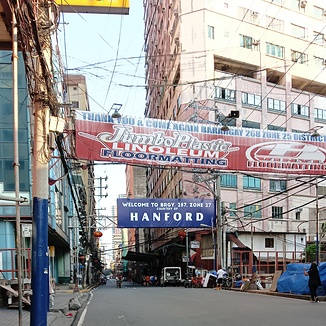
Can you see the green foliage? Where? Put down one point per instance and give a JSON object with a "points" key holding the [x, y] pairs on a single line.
{"points": [[311, 252]]}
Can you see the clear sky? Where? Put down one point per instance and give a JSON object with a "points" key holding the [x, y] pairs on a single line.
{"points": [[108, 51]]}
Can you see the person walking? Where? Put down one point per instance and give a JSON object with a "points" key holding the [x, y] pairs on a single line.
{"points": [[220, 274], [314, 281]]}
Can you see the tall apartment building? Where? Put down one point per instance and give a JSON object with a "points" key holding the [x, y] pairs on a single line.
{"points": [[265, 60], [82, 173]]}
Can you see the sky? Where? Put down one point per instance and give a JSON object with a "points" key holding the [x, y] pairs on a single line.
{"points": [[108, 51]]}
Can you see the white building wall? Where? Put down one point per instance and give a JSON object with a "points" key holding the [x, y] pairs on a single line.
{"points": [[254, 71]]}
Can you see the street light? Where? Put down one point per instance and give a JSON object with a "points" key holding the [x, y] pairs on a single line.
{"points": [[116, 108]]}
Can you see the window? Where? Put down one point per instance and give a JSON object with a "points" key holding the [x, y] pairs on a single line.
{"points": [[299, 57], [228, 180], [250, 124], [298, 214], [251, 99], [74, 104], [275, 105], [319, 13], [298, 31], [233, 208], [277, 185], [294, 4], [269, 243], [211, 32], [298, 109], [278, 128], [246, 41], [252, 211], [273, 23], [319, 38], [277, 212], [320, 114], [319, 61], [248, 15], [251, 183], [225, 94], [275, 50]]}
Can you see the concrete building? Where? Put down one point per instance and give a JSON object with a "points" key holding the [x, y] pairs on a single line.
{"points": [[136, 188], [266, 61]]}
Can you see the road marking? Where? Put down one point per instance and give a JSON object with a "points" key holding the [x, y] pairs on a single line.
{"points": [[82, 317]]}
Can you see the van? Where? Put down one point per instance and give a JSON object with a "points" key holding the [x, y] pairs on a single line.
{"points": [[171, 276]]}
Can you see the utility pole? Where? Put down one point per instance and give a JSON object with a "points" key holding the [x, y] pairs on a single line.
{"points": [[219, 223], [40, 189], [317, 224], [16, 163], [40, 259]]}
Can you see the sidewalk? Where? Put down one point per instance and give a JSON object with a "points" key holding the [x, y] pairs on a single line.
{"points": [[59, 314], [281, 294]]}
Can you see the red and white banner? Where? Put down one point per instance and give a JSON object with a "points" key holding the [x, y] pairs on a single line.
{"points": [[191, 145]]}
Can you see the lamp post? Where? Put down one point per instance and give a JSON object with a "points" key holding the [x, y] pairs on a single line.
{"points": [[317, 225]]}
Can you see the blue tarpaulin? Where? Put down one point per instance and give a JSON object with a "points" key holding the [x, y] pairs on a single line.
{"points": [[294, 281]]}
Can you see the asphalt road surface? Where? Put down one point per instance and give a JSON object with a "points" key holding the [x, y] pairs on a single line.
{"points": [[179, 306]]}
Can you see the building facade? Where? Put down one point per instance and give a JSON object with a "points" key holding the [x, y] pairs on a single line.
{"points": [[266, 62]]}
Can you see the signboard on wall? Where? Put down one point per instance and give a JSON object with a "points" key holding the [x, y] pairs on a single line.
{"points": [[191, 145], [120, 7], [165, 213]]}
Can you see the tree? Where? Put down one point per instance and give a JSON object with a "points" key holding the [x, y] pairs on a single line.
{"points": [[311, 252]]}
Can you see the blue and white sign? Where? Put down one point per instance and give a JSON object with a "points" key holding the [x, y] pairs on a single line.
{"points": [[165, 213]]}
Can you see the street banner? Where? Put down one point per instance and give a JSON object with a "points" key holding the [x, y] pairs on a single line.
{"points": [[166, 213], [120, 7], [155, 142]]}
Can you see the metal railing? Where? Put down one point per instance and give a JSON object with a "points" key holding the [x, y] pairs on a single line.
{"points": [[8, 263]]}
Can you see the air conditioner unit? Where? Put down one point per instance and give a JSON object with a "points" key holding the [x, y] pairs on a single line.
{"points": [[176, 40], [255, 42], [303, 3], [255, 13], [176, 13]]}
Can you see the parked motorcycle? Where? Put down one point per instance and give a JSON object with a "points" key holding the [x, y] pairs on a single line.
{"points": [[228, 281]]}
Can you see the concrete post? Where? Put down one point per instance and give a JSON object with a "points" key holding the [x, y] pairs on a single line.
{"points": [[40, 257]]}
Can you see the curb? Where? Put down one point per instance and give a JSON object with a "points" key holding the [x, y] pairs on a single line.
{"points": [[281, 294]]}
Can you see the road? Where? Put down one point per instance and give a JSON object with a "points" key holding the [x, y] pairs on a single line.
{"points": [[173, 306]]}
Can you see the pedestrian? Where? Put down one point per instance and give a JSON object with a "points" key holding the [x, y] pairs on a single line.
{"points": [[314, 281], [220, 274]]}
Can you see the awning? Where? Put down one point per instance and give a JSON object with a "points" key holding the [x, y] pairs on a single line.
{"points": [[234, 239], [140, 256]]}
